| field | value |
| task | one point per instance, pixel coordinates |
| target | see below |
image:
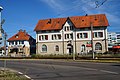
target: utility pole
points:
(91, 25)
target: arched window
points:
(44, 48)
(98, 46)
(56, 48)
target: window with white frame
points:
(85, 35)
(69, 36)
(82, 35)
(43, 37)
(68, 28)
(16, 42)
(56, 37)
(98, 34)
(11, 43)
(56, 48)
(44, 48)
(98, 46)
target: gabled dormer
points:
(68, 26)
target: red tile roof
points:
(86, 21)
(50, 24)
(78, 21)
(21, 35)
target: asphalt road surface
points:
(65, 70)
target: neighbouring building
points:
(2, 53)
(118, 37)
(113, 39)
(21, 44)
(72, 35)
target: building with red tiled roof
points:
(78, 21)
(72, 34)
(21, 44)
(21, 35)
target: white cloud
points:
(113, 18)
(55, 4)
(84, 7)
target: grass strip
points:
(9, 75)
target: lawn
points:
(10, 75)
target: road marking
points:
(27, 76)
(109, 72)
(89, 69)
(20, 73)
(106, 71)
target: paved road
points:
(65, 70)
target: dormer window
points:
(16, 36)
(67, 28)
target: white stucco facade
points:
(71, 40)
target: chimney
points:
(49, 21)
(86, 15)
(24, 31)
(20, 30)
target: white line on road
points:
(20, 73)
(27, 76)
(89, 68)
(109, 72)
(106, 71)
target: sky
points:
(24, 14)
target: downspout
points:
(105, 40)
(63, 40)
(75, 47)
(37, 43)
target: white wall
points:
(62, 31)
(26, 43)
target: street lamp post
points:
(2, 32)
(1, 20)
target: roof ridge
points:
(21, 35)
(78, 21)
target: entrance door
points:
(69, 49)
(82, 49)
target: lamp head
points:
(1, 8)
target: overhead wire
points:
(83, 11)
(71, 9)
(97, 3)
